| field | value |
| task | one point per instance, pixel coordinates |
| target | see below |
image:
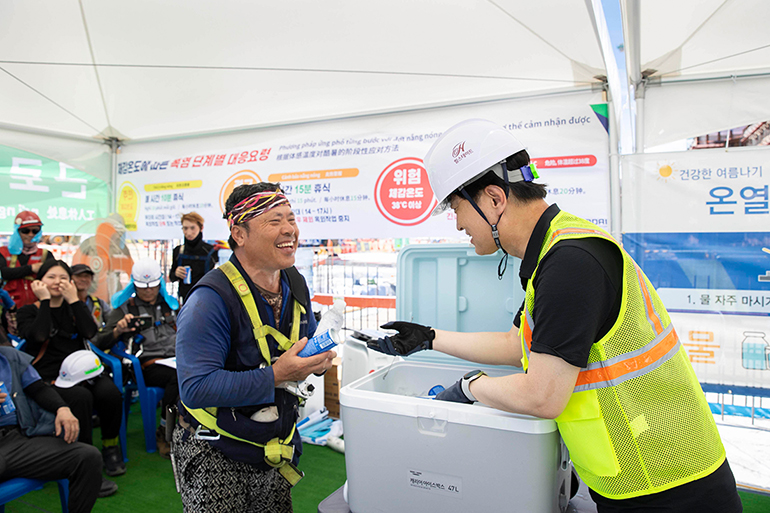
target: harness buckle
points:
(202, 433)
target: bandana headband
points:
(255, 205)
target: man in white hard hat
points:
(598, 349)
(39, 433)
(146, 323)
(239, 334)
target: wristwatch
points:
(465, 383)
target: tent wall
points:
(88, 155)
(679, 110)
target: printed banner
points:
(346, 184)
(65, 198)
(698, 224)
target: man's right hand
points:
(181, 272)
(122, 326)
(290, 367)
(40, 290)
(36, 267)
(410, 338)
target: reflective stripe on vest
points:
(613, 371)
(278, 453)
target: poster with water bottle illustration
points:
(698, 223)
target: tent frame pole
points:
(114, 150)
(616, 219)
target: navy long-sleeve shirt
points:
(202, 346)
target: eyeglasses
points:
(26, 231)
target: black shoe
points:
(113, 461)
(108, 488)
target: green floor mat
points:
(148, 484)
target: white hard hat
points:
(146, 273)
(78, 366)
(465, 152)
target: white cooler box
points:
(405, 453)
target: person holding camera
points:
(146, 323)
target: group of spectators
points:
(52, 308)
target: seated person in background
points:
(7, 313)
(21, 258)
(151, 341)
(83, 278)
(38, 440)
(56, 326)
(193, 253)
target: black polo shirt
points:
(578, 290)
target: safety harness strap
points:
(97, 313)
(262, 330)
(278, 453)
(242, 288)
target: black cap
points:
(80, 269)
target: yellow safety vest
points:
(278, 453)
(637, 422)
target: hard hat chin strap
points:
(495, 233)
(526, 174)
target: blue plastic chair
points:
(17, 487)
(149, 397)
(116, 365)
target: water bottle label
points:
(320, 343)
(7, 406)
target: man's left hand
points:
(454, 394)
(66, 421)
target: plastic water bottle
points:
(327, 334)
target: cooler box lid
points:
(450, 287)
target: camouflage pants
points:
(211, 482)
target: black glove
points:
(454, 394)
(460, 392)
(410, 339)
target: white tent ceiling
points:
(147, 70)
(708, 63)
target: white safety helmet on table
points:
(78, 366)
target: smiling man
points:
(236, 446)
(599, 352)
